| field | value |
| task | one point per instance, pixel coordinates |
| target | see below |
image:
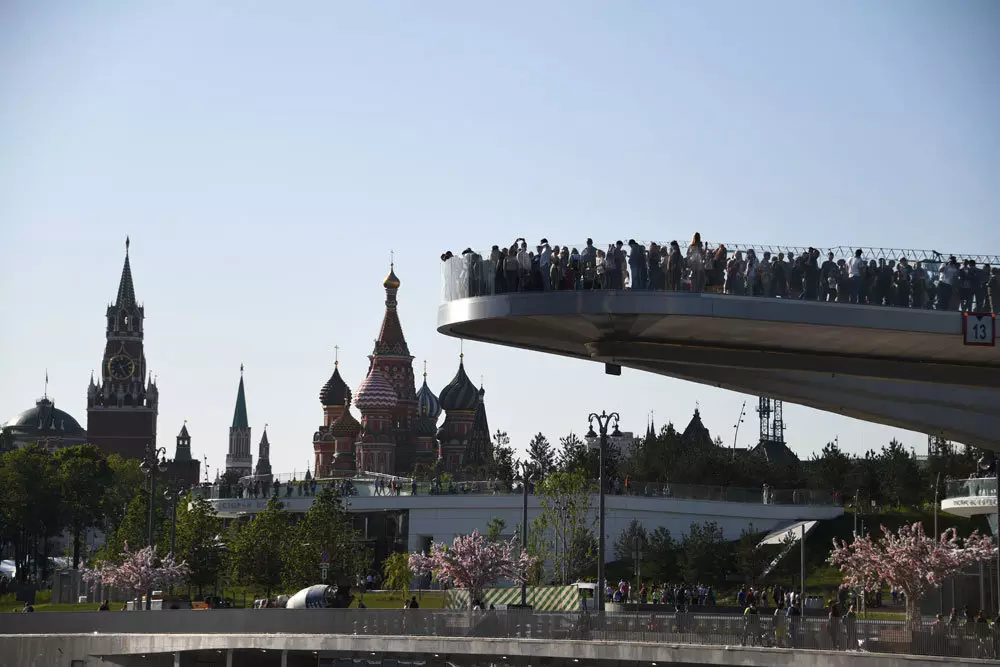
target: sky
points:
(265, 159)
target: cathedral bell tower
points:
(122, 404)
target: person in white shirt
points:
(856, 272)
(544, 259)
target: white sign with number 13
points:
(979, 329)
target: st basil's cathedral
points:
(398, 433)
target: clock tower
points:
(122, 404)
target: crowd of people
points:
(942, 283)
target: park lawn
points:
(394, 600)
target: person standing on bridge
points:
(855, 272)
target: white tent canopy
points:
(792, 533)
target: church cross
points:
(336, 355)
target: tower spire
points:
(425, 369)
(240, 419)
(390, 341)
(126, 290)
(46, 394)
(336, 355)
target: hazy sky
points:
(265, 157)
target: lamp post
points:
(155, 461)
(989, 463)
(173, 494)
(525, 478)
(602, 420)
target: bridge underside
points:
(904, 368)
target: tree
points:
(909, 560)
(30, 506)
(199, 541)
(624, 546)
(257, 548)
(325, 529)
(541, 458)
(900, 475)
(397, 573)
(831, 468)
(503, 458)
(751, 559)
(704, 553)
(565, 521)
(472, 562)
(574, 454)
(661, 558)
(139, 571)
(495, 528)
(127, 482)
(83, 476)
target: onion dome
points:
(345, 426)
(391, 281)
(460, 393)
(428, 404)
(335, 392)
(375, 393)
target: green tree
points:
(624, 546)
(257, 549)
(199, 541)
(705, 554)
(495, 528)
(751, 560)
(565, 523)
(541, 458)
(503, 458)
(397, 574)
(661, 555)
(127, 482)
(831, 469)
(574, 454)
(901, 476)
(325, 529)
(83, 477)
(30, 506)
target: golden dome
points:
(391, 281)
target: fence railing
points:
(475, 274)
(974, 640)
(972, 487)
(364, 486)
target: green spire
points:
(240, 415)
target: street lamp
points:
(173, 494)
(154, 462)
(525, 478)
(989, 463)
(602, 420)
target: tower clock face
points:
(121, 367)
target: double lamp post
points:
(603, 420)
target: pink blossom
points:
(908, 560)
(473, 562)
(139, 571)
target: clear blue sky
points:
(265, 157)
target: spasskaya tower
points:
(122, 403)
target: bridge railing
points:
(476, 274)
(656, 626)
(972, 487)
(363, 485)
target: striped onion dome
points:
(428, 404)
(346, 425)
(375, 393)
(460, 393)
